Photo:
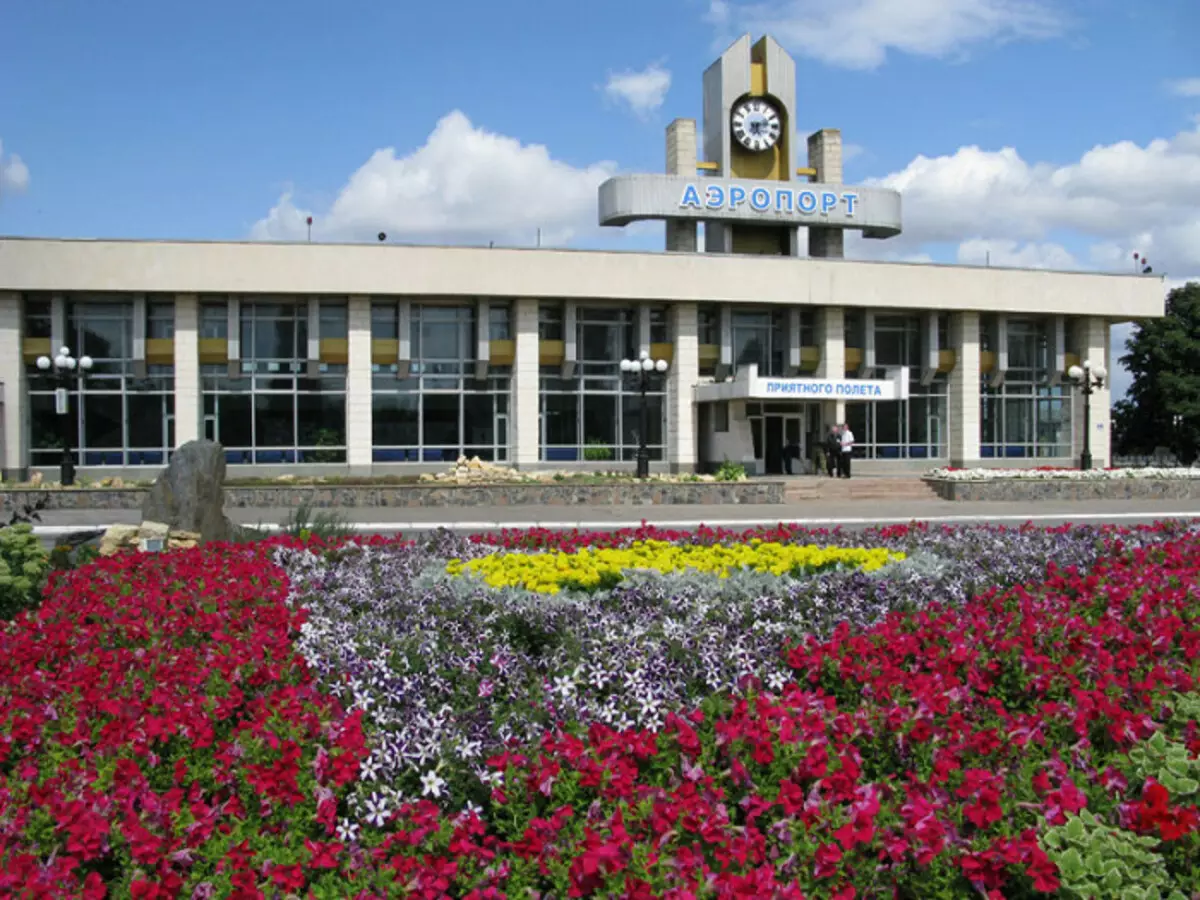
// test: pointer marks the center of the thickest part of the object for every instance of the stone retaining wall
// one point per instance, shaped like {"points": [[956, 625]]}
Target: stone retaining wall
{"points": [[1064, 489], [419, 496]]}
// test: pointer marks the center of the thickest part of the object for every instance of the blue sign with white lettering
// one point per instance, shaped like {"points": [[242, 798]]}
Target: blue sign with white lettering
{"points": [[813, 388], [761, 199]]}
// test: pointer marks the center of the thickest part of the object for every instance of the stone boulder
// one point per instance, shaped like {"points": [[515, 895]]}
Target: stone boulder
{"points": [[188, 495]]}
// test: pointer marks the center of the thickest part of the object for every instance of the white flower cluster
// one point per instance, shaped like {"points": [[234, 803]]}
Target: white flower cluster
{"points": [[1148, 472]]}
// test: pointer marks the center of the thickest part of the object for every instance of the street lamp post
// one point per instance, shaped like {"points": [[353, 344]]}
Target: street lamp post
{"points": [[643, 368], [67, 372], [1087, 378]]}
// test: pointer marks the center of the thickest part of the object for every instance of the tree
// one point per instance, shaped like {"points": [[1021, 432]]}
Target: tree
{"points": [[1162, 408]]}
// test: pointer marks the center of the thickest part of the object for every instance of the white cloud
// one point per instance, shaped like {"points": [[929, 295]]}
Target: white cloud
{"points": [[464, 185], [643, 92], [859, 34], [1185, 87], [14, 174], [1012, 254], [1120, 197]]}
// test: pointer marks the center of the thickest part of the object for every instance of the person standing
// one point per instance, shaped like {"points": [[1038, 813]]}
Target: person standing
{"points": [[846, 439], [833, 452]]}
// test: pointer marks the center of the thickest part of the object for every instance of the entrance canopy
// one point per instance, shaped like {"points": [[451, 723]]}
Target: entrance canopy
{"points": [[748, 385]]}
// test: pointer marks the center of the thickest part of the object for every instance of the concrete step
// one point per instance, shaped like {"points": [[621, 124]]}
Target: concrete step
{"points": [[855, 489]]}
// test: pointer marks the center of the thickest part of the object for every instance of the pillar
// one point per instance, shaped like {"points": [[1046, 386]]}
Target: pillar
{"points": [[12, 378], [681, 160], [359, 422], [825, 155], [964, 409], [831, 337], [524, 427], [188, 400], [684, 374], [1092, 339]]}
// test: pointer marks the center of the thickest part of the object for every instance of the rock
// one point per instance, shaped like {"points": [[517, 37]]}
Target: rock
{"points": [[476, 463], [183, 540], [188, 495], [118, 538], [150, 531]]}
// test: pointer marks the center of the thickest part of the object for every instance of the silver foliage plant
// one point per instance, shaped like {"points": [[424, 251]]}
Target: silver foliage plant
{"points": [[448, 670]]}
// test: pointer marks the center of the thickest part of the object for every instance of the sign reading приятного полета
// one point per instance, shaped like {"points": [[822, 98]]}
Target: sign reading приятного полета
{"points": [[749, 385]]}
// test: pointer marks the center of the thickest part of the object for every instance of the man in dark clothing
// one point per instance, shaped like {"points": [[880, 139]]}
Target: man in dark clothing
{"points": [[833, 451]]}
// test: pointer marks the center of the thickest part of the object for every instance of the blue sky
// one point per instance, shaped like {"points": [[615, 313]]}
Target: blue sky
{"points": [[1061, 133]]}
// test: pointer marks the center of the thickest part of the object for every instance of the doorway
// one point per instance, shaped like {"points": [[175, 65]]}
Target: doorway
{"points": [[783, 444]]}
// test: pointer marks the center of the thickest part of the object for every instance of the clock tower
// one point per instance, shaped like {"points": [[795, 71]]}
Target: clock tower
{"points": [[749, 103], [743, 175]]}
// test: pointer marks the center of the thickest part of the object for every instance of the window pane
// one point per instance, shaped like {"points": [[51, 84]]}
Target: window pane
{"points": [[147, 418], [439, 416], [334, 319], [499, 326], [384, 321], [631, 410], [561, 418], [479, 418], [918, 422], [321, 419], [1018, 421], [274, 339], [274, 420], [214, 320], [233, 420], [550, 322], [600, 343], [394, 419], [440, 340], [599, 419], [858, 417], [104, 339], [46, 426], [103, 421], [887, 422]]}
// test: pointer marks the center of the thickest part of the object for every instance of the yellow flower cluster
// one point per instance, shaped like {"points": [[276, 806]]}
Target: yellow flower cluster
{"points": [[595, 569]]}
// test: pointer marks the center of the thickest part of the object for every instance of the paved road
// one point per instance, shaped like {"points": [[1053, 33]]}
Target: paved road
{"points": [[851, 514]]}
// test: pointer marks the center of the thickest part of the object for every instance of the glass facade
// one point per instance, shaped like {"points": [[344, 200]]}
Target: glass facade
{"points": [[594, 415], [761, 338], [1026, 416], [436, 409], [282, 402], [915, 428], [270, 408], [115, 417]]}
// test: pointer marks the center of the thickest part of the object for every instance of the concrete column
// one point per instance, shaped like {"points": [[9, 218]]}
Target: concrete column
{"points": [[188, 402], [524, 423], [15, 434], [964, 390], [1092, 340], [684, 374], [825, 155], [831, 337], [681, 160], [359, 424]]}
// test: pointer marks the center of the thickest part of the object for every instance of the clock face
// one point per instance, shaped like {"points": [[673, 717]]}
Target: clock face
{"points": [[756, 124]]}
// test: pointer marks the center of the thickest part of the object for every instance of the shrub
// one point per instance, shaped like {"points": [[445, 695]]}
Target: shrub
{"points": [[23, 566]]}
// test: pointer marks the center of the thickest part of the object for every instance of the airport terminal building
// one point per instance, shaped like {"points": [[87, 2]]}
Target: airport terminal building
{"points": [[377, 358]]}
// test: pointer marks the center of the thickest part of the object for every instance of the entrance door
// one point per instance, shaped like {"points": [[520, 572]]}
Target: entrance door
{"points": [[793, 442], [773, 447], [783, 436]]}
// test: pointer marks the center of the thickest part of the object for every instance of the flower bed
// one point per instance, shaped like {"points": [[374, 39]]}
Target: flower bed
{"points": [[1065, 484], [587, 570], [1053, 473], [286, 720]]}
